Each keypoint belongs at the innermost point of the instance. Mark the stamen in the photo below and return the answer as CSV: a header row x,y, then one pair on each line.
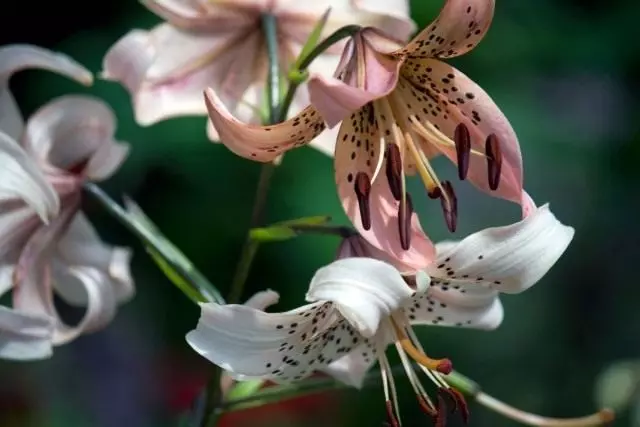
x,y
494,161
404,222
362,188
449,206
441,365
422,165
441,418
461,404
435,194
394,170
389,387
391,418
462,140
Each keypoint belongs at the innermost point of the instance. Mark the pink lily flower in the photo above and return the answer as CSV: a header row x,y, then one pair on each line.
x,y
400,106
46,244
220,44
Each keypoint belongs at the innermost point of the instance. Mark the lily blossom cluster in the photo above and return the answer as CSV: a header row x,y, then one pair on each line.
x,y
221,45
360,306
46,244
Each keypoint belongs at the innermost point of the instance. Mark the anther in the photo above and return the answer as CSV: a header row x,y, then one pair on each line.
x,y
404,222
494,161
449,206
392,420
441,417
426,408
394,171
435,193
461,404
462,139
362,188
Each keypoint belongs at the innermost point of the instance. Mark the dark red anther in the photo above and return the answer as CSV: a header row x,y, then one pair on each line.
x,y
441,417
426,408
446,392
462,139
449,206
494,161
461,404
394,171
362,188
404,222
392,420
436,193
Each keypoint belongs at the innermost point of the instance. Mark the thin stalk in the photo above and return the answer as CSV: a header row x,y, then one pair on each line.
x,y
331,230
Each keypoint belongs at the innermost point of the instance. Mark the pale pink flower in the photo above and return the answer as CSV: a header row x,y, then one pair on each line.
x,y
220,44
46,244
400,107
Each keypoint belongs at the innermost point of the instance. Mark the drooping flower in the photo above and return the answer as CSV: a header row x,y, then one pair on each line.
x,y
46,244
400,106
359,306
221,45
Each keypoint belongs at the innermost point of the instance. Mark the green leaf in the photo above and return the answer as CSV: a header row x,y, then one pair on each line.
x,y
308,220
272,234
244,389
312,41
175,277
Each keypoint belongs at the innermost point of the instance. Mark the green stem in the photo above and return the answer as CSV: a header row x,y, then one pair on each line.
x,y
331,230
270,28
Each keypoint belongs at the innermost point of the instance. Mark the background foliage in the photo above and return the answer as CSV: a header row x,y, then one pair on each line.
x,y
564,71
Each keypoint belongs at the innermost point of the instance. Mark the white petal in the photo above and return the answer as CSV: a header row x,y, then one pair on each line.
x,y
107,160
16,225
71,130
364,290
352,368
508,259
17,57
441,308
262,300
20,178
24,336
81,246
101,302
283,347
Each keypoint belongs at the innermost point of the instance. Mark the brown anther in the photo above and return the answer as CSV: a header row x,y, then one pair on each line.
x,y
436,193
392,420
441,416
494,161
426,408
362,188
450,397
462,139
394,171
404,222
449,206
461,404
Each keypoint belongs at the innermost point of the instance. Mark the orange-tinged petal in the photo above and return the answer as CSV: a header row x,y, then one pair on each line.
x,y
449,97
458,29
262,143
358,151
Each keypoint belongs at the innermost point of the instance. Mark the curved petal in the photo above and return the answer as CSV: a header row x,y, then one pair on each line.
x,y
197,16
458,99
352,368
18,57
283,347
107,160
81,246
69,131
364,290
25,336
101,302
458,29
356,153
21,178
166,69
16,225
369,75
262,143
262,300
507,259
431,309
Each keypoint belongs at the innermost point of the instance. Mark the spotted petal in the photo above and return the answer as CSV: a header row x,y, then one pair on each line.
x,y
364,290
73,130
506,259
18,57
458,29
352,368
262,143
446,97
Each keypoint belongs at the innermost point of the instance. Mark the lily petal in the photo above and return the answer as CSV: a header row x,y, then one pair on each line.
x,y
81,246
21,178
364,290
16,225
70,131
25,336
166,69
262,300
196,16
352,368
429,309
283,347
369,75
18,57
463,101
507,259
458,29
262,143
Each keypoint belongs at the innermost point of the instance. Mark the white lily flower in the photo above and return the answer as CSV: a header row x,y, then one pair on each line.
x,y
358,306
45,243
220,44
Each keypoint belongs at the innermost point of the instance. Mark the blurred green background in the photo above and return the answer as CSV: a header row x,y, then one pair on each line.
x,y
565,73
